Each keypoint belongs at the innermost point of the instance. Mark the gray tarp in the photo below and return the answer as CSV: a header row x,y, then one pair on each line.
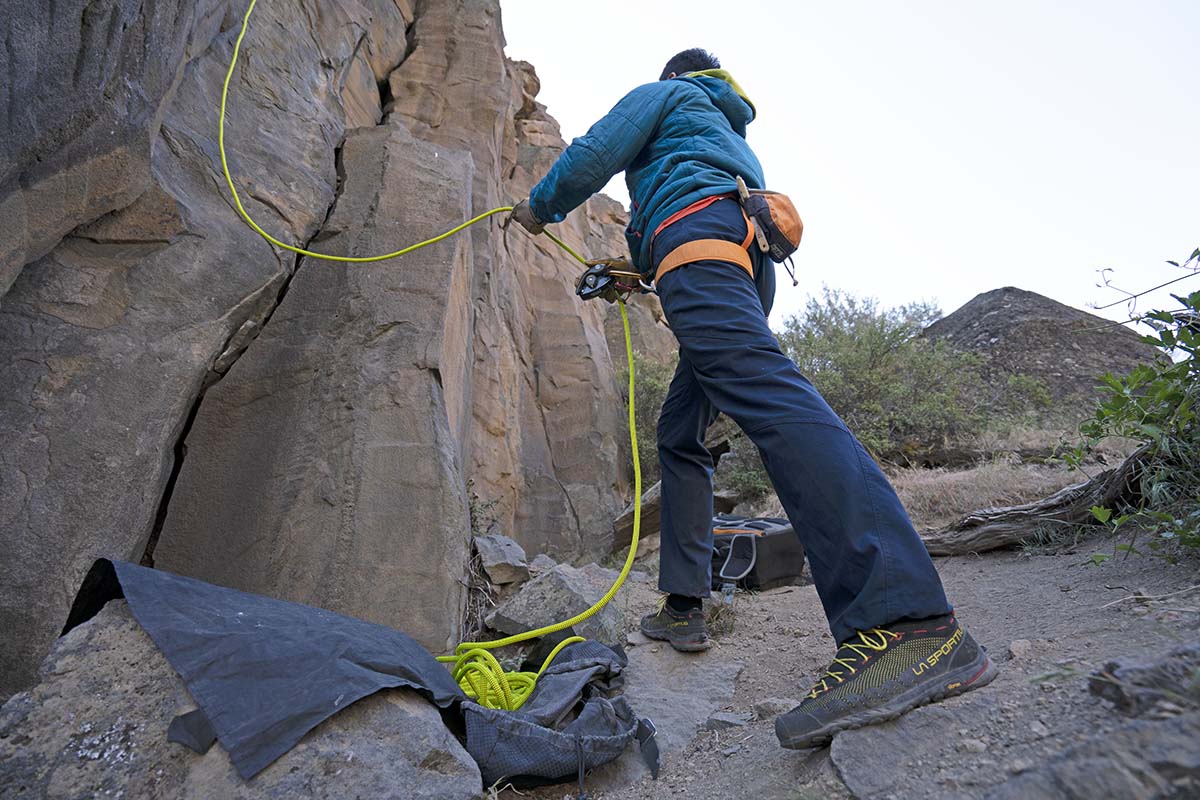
x,y
265,672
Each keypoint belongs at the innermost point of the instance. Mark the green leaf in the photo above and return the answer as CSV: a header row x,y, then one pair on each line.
x,y
1099,558
1101,513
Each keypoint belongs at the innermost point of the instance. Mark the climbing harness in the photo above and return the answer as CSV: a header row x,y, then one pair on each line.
x,y
478,672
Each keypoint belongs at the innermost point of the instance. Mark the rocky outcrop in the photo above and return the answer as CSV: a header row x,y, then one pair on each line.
x,y
1141,759
95,725
177,389
1019,332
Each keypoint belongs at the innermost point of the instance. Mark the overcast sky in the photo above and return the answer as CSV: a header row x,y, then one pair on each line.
x,y
935,150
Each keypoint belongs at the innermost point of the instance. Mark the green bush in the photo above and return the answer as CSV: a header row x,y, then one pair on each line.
x,y
653,380
1156,404
902,394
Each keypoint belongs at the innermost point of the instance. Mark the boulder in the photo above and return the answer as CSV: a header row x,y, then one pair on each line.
x,y
559,594
1138,687
1143,759
907,757
95,726
680,692
503,559
541,562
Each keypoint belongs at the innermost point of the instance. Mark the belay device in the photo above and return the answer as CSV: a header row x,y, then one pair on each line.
x,y
609,279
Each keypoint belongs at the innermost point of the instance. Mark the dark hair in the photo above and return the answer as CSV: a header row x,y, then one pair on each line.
x,y
693,60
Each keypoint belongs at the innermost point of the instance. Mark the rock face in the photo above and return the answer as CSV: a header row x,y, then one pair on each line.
x,y
95,726
1021,332
177,389
338,419
63,163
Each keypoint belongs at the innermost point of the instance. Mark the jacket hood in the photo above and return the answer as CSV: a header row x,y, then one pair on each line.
x,y
726,95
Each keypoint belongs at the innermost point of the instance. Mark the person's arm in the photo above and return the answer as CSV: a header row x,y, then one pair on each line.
x,y
608,147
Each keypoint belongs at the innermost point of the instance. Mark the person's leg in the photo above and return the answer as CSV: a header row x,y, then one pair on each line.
x,y
685,557
685,560
899,644
868,563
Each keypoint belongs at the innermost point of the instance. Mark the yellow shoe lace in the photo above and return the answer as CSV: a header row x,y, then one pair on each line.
x,y
874,640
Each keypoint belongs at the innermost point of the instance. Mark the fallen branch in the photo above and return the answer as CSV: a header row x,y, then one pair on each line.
x,y
998,528
1148,599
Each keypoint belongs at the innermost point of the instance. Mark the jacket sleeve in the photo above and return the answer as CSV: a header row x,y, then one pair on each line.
x,y
608,147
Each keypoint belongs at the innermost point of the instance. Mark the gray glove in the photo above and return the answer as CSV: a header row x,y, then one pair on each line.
x,y
523,215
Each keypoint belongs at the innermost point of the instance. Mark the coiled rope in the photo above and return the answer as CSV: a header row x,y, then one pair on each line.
x,y
477,671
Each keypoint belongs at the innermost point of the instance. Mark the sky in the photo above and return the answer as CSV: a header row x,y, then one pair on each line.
x,y
934,149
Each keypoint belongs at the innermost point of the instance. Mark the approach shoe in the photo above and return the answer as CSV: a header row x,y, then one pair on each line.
x,y
686,631
882,673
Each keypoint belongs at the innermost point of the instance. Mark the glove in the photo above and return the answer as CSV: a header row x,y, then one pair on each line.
x,y
523,215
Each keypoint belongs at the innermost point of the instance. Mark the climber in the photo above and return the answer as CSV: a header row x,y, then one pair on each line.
x,y
681,143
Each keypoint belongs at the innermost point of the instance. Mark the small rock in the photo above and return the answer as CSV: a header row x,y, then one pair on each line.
x,y
542,563
1038,729
1020,765
503,559
731,751
722,720
972,746
636,638
1019,649
774,706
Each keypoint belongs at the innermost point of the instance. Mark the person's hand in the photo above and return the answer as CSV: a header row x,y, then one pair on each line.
x,y
523,215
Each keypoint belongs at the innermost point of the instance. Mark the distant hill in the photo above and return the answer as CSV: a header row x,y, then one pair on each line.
x,y
1018,331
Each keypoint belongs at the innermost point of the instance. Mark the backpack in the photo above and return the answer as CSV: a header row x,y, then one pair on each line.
x,y
754,553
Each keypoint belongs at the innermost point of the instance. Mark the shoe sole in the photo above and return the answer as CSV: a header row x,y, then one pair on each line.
x,y
683,647
978,673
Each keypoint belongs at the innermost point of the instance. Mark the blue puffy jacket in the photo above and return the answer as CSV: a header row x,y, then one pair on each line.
x,y
677,140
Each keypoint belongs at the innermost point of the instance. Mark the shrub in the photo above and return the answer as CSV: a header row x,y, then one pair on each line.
x,y
1156,404
653,380
902,394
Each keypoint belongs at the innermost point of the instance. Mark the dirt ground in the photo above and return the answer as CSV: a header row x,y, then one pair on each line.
x,y
1048,620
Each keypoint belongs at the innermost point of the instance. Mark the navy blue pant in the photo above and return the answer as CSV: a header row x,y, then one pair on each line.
x,y
869,566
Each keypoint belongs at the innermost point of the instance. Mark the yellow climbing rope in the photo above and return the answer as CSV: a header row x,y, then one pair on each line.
x,y
476,669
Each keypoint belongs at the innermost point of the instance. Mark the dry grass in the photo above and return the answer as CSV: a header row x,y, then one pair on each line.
x,y
1000,440
937,497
